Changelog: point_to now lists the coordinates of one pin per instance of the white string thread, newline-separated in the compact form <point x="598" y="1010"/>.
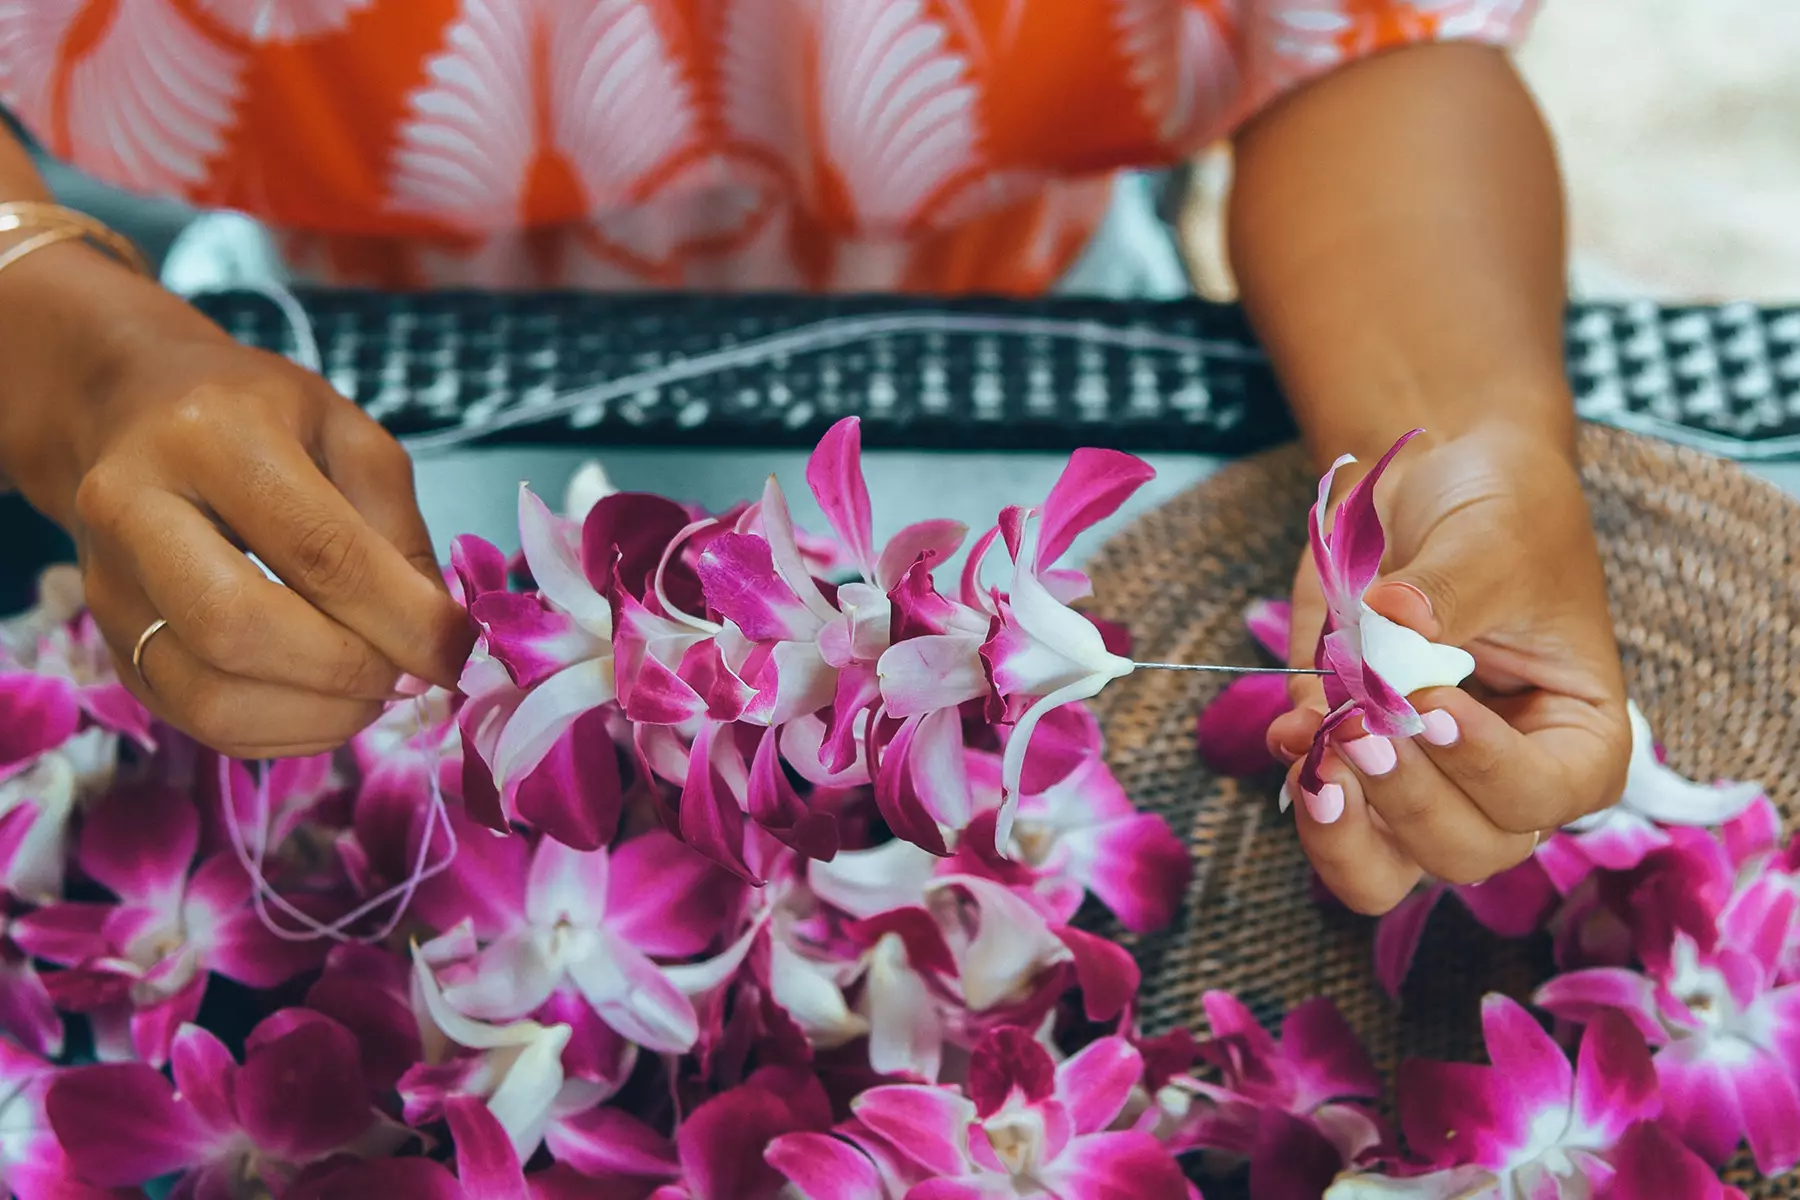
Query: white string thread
<point x="263" y="895"/>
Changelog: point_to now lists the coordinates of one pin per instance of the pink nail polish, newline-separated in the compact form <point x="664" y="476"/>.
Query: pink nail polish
<point x="1371" y="754"/>
<point x="410" y="686"/>
<point x="1440" y="728"/>
<point x="1286" y="757"/>
<point x="1287" y="796"/>
<point x="1327" y="805"/>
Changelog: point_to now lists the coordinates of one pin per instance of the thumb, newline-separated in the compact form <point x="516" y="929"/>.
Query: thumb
<point x="1452" y="591"/>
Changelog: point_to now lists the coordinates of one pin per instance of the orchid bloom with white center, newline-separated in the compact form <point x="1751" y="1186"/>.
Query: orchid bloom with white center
<point x="1026" y="1126"/>
<point x="232" y="1131"/>
<point x="1375" y="664"/>
<point x="1299" y="1109"/>
<point x="590" y="923"/>
<point x="1620" y="837"/>
<point x="139" y="966"/>
<point x="1529" y="1126"/>
<point x="1047" y="652"/>
<point x="1726" y="1028"/>
<point x="57" y="785"/>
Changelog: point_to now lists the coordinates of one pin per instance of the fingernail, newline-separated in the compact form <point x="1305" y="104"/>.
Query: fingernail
<point x="1423" y="598"/>
<point x="1440" y="728"/>
<point x="1287" y="796"/>
<point x="1371" y="754"/>
<point x="1327" y="805"/>
<point x="410" y="686"/>
<point x="1287" y="757"/>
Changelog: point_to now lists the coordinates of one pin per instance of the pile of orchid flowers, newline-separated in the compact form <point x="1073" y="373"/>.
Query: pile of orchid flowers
<point x="743" y="865"/>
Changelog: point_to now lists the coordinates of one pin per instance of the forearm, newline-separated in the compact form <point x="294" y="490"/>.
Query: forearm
<point x="1397" y="232"/>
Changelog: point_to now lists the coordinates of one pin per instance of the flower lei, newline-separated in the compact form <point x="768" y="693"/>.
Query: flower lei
<point x="744" y="864"/>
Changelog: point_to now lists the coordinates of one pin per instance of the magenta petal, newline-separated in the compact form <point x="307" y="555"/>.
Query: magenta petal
<point x="1514" y="903"/>
<point x="379" y="1179"/>
<point x="834" y="473"/>
<point x="773" y="804"/>
<point x="1615" y="1085"/>
<point x="1090" y="489"/>
<point x="664" y="898"/>
<point x="1651" y="1164"/>
<point x="935" y="671"/>
<point x="114" y="707"/>
<point x="898" y="797"/>
<point x="485" y="882"/>
<point x="486" y="1164"/>
<point x="609" y="1141"/>
<point x="65" y="934"/>
<point x="1138" y="868"/>
<point x="356" y="992"/>
<point x="1327" y="1060"/>
<point x="1768" y="1100"/>
<point x="302" y="1095"/>
<point x="1104" y="970"/>
<point x="205" y="1077"/>
<point x="1005" y="1063"/>
<point x="1096" y="1083"/>
<point x="1700" y="1102"/>
<point x="928" y="1124"/>
<point x="821" y="1167"/>
<point x="1397" y="936"/>
<point x="241" y="947"/>
<point x="1457" y="1113"/>
<point x="479" y="566"/>
<point x="1105" y="1165"/>
<point x="121" y="1125"/>
<point x="858" y="688"/>
<point x="574" y="794"/>
<point x="1310" y="779"/>
<point x="1232" y="731"/>
<point x="722" y="1141"/>
<point x="1357" y="541"/>
<point x="530" y="639"/>
<point x="1290" y="1159"/>
<point x="931" y="541"/>
<point x="1270" y="622"/>
<point x="26" y="1011"/>
<point x="738" y="572"/>
<point x="711" y="821"/>
<point x="37" y="713"/>
<point x="636" y="527"/>
<point x="153" y="1027"/>
<point x="138" y="842"/>
<point x="1534" y="1067"/>
<point x="1582" y="996"/>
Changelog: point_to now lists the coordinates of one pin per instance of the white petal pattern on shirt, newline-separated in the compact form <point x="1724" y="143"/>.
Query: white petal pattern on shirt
<point x="1304" y="37"/>
<point x="620" y="103"/>
<point x="31" y="35"/>
<point x="265" y="21"/>
<point x="150" y="105"/>
<point x="762" y="80"/>
<point x="897" y="106"/>
<point x="464" y="150"/>
<point x="1182" y="61"/>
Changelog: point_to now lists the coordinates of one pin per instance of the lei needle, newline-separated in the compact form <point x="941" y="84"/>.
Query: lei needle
<point x="1161" y="666"/>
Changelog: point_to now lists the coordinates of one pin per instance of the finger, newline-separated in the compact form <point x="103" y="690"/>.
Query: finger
<point x="1306" y="691"/>
<point x="375" y="474"/>
<point x="268" y="490"/>
<point x="1435" y="824"/>
<point x="1531" y="762"/>
<point x="1356" y="859"/>
<point x="242" y="718"/>
<point x="1453" y="591"/>
<point x="227" y="612"/>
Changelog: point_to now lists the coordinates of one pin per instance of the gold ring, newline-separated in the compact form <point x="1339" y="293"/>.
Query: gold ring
<point x="137" y="651"/>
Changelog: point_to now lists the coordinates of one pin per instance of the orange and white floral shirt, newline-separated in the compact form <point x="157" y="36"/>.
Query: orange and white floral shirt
<point x="945" y="145"/>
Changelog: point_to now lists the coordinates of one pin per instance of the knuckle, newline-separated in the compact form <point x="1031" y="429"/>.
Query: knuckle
<point x="358" y="673"/>
<point x="199" y="412"/>
<point x="103" y="497"/>
<point x="333" y="557"/>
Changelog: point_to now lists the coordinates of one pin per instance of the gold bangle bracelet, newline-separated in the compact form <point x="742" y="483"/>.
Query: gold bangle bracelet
<point x="33" y="214"/>
<point x="37" y="241"/>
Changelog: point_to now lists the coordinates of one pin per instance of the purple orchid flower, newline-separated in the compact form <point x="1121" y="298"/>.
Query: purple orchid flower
<point x="1024" y="1122"/>
<point x="1375" y="663"/>
<point x="298" y="1098"/>
<point x="1299" y="1110"/>
<point x="1655" y="797"/>
<point x="55" y="786"/>
<point x="53" y="683"/>
<point x="1076" y="831"/>
<point x="139" y="966"/>
<point x="1726" y="1028"/>
<point x="591" y="923"/>
<point x="1514" y="904"/>
<point x="33" y="1164"/>
<point x="1528" y="1125"/>
<point x="1232" y="732"/>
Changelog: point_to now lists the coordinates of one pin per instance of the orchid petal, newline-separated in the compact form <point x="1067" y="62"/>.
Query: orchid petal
<point x="1581" y="996"/>
<point x="26" y="1011"/>
<point x="635" y="997"/>
<point x="1700" y="1099"/>
<point x="906" y="1030"/>
<point x="1655" y="791"/>
<point x="1515" y="903"/>
<point x="552" y="548"/>
<point x="1104" y="1165"/>
<point x="1357" y="540"/>
<point x="1536" y="1071"/>
<point x="1397" y="936"/>
<point x="486" y="1164"/>
<point x="1405" y="660"/>
<point x="820" y="1167"/>
<point x="864" y="883"/>
<point x="1615" y="1084"/>
<point x="834" y="472"/>
<point x="664" y="898"/>
<point x="566" y="885"/>
<point x="604" y="1142"/>
<point x="140" y="842"/>
<point x="1097" y="1082"/>
<point x="1652" y="1165"/>
<point x="1105" y="971"/>
<point x="709" y="816"/>
<point x="929" y="1125"/>
<point x="522" y="1103"/>
<point x="121" y="1124"/>
<point x="530" y="639"/>
<point x="545" y="714"/>
<point x="1135" y="865"/>
<point x="1010" y="947"/>
<point x="37" y="713"/>
<point x="574" y="794"/>
<point x="738" y="573"/>
<point x="1768" y="1100"/>
<point x="509" y="978"/>
<point x="934" y="541"/>
<point x="1090" y="489"/>
<point x="1271" y="623"/>
<point x="1232" y="731"/>
<point x="301" y="1095"/>
<point x="206" y="1077"/>
<point x="1012" y="763"/>
<point x="778" y="529"/>
<point x="923" y="674"/>
<point x="1327" y="1060"/>
<point x="1457" y="1114"/>
<point x="475" y="1035"/>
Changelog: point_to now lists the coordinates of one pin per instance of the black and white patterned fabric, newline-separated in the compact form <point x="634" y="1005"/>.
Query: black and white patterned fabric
<point x="445" y="370"/>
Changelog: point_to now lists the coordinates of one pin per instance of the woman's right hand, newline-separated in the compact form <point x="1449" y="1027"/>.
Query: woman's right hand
<point x="168" y="450"/>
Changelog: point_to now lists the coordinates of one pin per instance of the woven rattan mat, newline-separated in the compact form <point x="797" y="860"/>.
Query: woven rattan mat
<point x="1699" y="556"/>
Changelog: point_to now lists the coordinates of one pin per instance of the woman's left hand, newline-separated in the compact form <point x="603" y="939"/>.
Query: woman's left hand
<point x="1491" y="548"/>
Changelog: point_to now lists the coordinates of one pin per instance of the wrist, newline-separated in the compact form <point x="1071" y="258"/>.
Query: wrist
<point x="76" y="318"/>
